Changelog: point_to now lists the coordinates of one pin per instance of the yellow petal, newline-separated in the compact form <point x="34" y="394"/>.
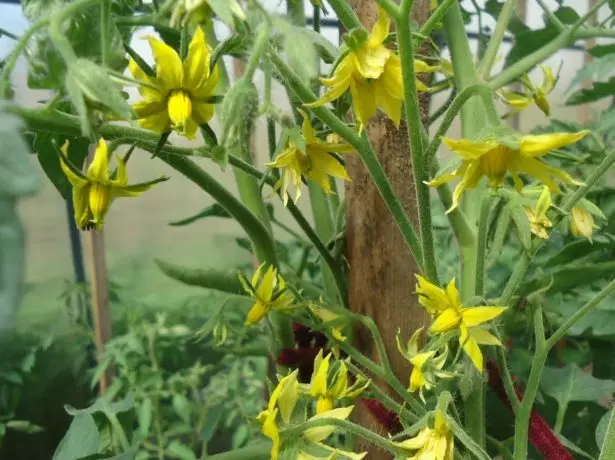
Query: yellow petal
<point x="541" y="144"/>
<point x="421" y="66"/>
<point x="285" y="395"/>
<point x="391" y="79"/>
<point x="75" y="180"/>
<point x="548" y="82"/>
<point x="144" y="90"/>
<point x="516" y="100"/>
<point x="158" y="122"/>
<point x="478" y="315"/>
<point x="202" y="113"/>
<point x="169" y="67"/>
<point x="99" y="202"/>
<point x="416" y="442"/>
<point x="432" y="297"/>
<point x="196" y="65"/>
<point x="81" y="196"/>
<point x="471" y="348"/>
<point x="270" y="429"/>
<point x="483" y="337"/>
<point x="380" y="31"/>
<point x="417" y="380"/>
<point x="179" y="106"/>
<point x="581" y="223"/>
<point x="258" y="311"/>
<point x="327" y="164"/>
<point x="321" y="433"/>
<point x="318" y="385"/>
<point x="447" y="320"/>
<point x="203" y="93"/>
<point x="99" y="168"/>
<point x="324" y="404"/>
<point x="339" y="387"/>
<point x="468" y="149"/>
<point x="388" y="104"/>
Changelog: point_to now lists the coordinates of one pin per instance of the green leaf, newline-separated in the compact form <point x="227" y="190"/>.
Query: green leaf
<point x="80" y="440"/>
<point x="212" y="421"/>
<point x="104" y="405"/>
<point x="570" y="277"/>
<point x="599" y="51"/>
<point x="145" y="417"/>
<point x="602" y="427"/>
<point x="181" y="451"/>
<point x="598" y="69"/>
<point x="215" y="210"/>
<point x="570" y="383"/>
<point x="78" y="101"/>
<point x="578" y="249"/>
<point x="599" y="90"/>
<point x="182" y="407"/>
<point x="221" y="280"/>
<point x="301" y="53"/>
<point x="23" y="426"/>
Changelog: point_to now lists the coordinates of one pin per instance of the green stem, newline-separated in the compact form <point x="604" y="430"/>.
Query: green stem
<point x="515" y="278"/>
<point x="466" y="440"/>
<point x="413" y="121"/>
<point x="435" y="18"/>
<point x="482" y="244"/>
<point x="484" y="69"/>
<point x="345" y="14"/>
<point x="256" y="451"/>
<point x="608" y="446"/>
<point x="522" y="417"/>
<point x="210" y="33"/>
<point x="394" y="10"/>
<point x="258" y="49"/>
<point x="365" y="151"/>
<point x="105" y="30"/>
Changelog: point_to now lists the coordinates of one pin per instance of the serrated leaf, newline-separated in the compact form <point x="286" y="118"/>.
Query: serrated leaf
<point x="598" y="90"/>
<point x="568" y="278"/>
<point x="80" y="440"/>
<point x="104" y="405"/>
<point x="578" y="249"/>
<point x="221" y="280"/>
<point x="570" y="383"/>
<point x="301" y="53"/>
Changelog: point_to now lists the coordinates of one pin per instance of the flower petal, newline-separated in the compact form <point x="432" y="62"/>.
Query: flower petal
<point x="469" y="149"/>
<point x="381" y="28"/>
<point x="448" y="320"/>
<point x="321" y="433"/>
<point x="471" y="348"/>
<point x="474" y="316"/>
<point x="483" y="337"/>
<point x="99" y="168"/>
<point x="541" y="144"/>
<point x="169" y="68"/>
<point x="196" y="65"/>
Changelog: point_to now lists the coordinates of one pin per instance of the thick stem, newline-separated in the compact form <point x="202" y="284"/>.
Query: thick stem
<point x="413" y="122"/>
<point x="435" y="18"/>
<point x="345" y="14"/>
<point x="105" y="30"/>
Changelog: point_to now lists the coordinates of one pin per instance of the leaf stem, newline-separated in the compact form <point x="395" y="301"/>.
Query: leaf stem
<point x="435" y="18"/>
<point x="484" y="69"/>
<point x="481" y="249"/>
<point x="345" y="14"/>
<point x="105" y="30"/>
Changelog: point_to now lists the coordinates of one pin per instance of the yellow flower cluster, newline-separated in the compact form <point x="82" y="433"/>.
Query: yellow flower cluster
<point x="279" y="413"/>
<point x="269" y="292"/>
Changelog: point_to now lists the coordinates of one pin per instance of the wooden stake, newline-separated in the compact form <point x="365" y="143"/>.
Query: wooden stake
<point x="99" y="283"/>
<point x="583" y="114"/>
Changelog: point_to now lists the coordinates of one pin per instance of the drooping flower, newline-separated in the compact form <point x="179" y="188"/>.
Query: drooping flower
<point x="450" y="315"/>
<point x="268" y="291"/>
<point x="326" y="316"/>
<point x="94" y="191"/>
<point x="492" y="158"/>
<point x="325" y="393"/>
<point x="432" y="443"/>
<point x="178" y="97"/>
<point x="581" y="223"/>
<point x="373" y="74"/>
<point x="282" y="400"/>
<point x="426" y="366"/>
<point x="519" y="100"/>
<point x="314" y="163"/>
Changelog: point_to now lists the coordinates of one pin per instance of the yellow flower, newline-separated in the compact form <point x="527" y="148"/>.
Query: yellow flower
<point x="269" y="293"/>
<point x="539" y="225"/>
<point x="373" y="74"/>
<point x="320" y="433"/>
<point x="493" y="159"/>
<point x="94" y="191"/>
<point x="282" y="400"/>
<point x="582" y="223"/>
<point x="339" y="389"/>
<point x="426" y="366"/>
<point x="432" y="443"/>
<point x="327" y="316"/>
<point x="178" y="96"/>
<point x="451" y="316"/>
<point x="538" y="95"/>
<point x="315" y="163"/>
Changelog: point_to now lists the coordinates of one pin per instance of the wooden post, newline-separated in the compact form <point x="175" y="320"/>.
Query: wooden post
<point x="99" y="283"/>
<point x="381" y="279"/>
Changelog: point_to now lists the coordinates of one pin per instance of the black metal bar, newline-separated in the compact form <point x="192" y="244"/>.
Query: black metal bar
<point x="75" y="244"/>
